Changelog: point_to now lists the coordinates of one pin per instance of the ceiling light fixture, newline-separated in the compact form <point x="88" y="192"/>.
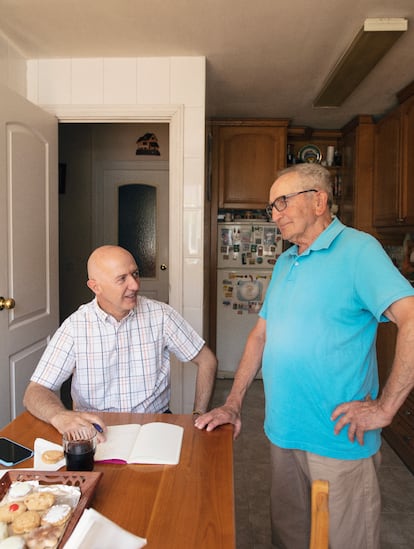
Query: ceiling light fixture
<point x="372" y="42"/>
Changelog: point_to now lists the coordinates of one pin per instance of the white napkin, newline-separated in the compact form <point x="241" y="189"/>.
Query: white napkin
<point x="40" y="446"/>
<point x="94" y="531"/>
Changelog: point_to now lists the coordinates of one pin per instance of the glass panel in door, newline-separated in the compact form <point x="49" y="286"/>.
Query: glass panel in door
<point x="137" y="225"/>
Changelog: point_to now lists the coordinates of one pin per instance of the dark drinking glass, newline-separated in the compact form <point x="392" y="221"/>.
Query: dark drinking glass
<point x="79" y="450"/>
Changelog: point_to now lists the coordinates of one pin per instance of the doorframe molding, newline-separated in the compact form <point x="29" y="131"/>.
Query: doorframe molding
<point x="174" y="116"/>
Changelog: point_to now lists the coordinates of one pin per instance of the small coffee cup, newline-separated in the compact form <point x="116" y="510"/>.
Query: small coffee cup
<point x="79" y="449"/>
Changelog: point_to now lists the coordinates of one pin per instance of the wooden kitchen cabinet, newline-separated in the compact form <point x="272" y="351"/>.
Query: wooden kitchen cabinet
<point x="249" y="155"/>
<point x="394" y="168"/>
<point x="387" y="206"/>
<point x="400" y="434"/>
<point x="407" y="198"/>
<point x="386" y="337"/>
<point x="355" y="198"/>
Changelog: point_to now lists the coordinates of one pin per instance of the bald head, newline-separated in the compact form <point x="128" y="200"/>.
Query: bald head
<point x="113" y="277"/>
<point x="105" y="259"/>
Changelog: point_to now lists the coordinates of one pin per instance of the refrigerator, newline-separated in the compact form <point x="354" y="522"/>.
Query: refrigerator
<point x="246" y="253"/>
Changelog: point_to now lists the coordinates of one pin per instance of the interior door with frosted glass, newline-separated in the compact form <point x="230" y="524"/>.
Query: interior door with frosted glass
<point x="135" y="206"/>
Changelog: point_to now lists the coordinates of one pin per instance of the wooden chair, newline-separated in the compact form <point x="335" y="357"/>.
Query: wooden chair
<point x="319" y="538"/>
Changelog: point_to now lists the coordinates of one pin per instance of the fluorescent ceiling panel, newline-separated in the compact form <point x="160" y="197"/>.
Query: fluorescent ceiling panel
<point x="370" y="45"/>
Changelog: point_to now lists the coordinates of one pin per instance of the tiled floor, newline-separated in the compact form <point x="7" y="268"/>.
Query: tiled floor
<point x="251" y="472"/>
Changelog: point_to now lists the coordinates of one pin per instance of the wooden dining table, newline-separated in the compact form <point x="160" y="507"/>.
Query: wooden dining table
<point x="184" y="506"/>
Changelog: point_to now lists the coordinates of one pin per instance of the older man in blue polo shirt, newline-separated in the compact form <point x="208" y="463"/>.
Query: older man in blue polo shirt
<point x="315" y="339"/>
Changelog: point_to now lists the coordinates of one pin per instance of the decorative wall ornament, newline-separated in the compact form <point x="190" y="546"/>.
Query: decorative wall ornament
<point x="147" y="144"/>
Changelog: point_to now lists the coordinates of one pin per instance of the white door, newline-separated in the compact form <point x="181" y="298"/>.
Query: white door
<point x="115" y="176"/>
<point x="28" y="243"/>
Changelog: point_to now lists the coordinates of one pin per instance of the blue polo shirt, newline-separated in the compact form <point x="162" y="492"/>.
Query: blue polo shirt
<point x="322" y="309"/>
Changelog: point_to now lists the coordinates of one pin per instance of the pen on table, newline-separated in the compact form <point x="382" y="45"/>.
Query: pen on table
<point x="98" y="427"/>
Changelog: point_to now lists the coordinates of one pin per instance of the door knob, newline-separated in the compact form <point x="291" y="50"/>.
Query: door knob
<point x="7" y="303"/>
<point x="163" y="267"/>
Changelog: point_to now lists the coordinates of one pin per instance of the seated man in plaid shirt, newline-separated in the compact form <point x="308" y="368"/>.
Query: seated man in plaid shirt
<point x="117" y="350"/>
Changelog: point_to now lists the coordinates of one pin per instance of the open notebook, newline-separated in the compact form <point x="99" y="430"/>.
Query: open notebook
<point x="156" y="442"/>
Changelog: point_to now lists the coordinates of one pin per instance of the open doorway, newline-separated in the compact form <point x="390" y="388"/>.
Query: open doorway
<point x="100" y="164"/>
<point x="96" y="160"/>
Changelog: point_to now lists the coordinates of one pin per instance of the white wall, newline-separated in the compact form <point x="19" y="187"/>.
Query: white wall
<point x="157" y="83"/>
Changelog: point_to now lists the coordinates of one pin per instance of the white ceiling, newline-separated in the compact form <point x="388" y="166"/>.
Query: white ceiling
<point x="265" y="58"/>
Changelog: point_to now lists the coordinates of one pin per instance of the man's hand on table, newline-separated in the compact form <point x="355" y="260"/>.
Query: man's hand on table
<point x="73" y="421"/>
<point x="220" y="416"/>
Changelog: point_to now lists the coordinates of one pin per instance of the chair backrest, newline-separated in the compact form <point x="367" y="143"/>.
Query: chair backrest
<point x="320" y="515"/>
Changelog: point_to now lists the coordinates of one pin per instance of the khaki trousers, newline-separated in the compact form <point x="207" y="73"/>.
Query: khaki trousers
<point x="354" y="499"/>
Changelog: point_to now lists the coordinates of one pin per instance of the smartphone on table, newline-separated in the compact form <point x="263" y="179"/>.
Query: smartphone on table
<point x="12" y="452"/>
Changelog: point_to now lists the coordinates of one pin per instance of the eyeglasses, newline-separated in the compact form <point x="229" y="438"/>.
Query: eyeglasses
<point x="280" y="203"/>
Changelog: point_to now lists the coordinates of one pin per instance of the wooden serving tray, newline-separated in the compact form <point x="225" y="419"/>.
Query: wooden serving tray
<point x="85" y="481"/>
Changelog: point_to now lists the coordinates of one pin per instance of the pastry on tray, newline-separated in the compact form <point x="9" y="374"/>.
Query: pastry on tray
<point x="37" y="517"/>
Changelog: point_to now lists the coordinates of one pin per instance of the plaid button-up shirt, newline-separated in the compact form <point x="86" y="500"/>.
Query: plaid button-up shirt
<point x="118" y="366"/>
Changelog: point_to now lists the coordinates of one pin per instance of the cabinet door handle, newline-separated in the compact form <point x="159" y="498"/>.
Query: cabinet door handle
<point x="401" y="219"/>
